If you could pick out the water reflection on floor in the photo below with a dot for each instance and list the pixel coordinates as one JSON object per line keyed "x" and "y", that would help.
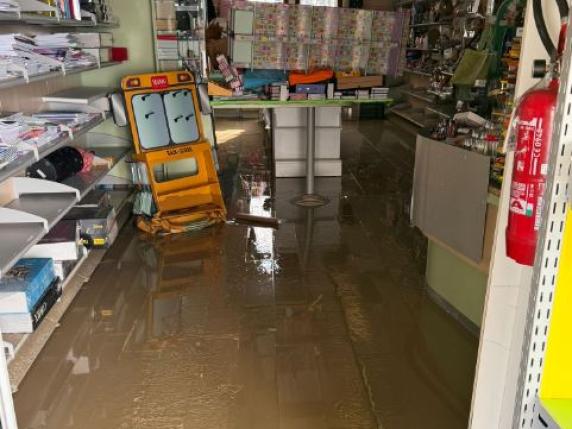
{"x": 323, "y": 323}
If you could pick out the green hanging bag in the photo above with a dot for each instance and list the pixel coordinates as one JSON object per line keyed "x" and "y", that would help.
{"x": 475, "y": 65}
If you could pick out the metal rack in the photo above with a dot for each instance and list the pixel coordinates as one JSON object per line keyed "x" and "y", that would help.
{"x": 198, "y": 62}
{"x": 520, "y": 300}
{"x": 547, "y": 266}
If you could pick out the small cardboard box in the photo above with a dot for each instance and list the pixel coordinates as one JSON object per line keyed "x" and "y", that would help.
{"x": 378, "y": 5}
{"x": 359, "y": 82}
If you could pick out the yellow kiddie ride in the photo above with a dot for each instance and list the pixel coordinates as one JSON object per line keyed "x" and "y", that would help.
{"x": 175, "y": 162}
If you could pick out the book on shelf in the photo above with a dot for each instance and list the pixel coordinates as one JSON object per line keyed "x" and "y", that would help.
{"x": 70, "y": 9}
{"x": 27, "y": 322}
{"x": 60, "y": 244}
{"x": 24, "y": 284}
{"x": 75, "y": 9}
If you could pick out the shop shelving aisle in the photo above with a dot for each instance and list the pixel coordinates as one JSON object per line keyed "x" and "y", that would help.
{"x": 30, "y": 207}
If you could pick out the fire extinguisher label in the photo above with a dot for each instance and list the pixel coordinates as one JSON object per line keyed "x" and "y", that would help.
{"x": 521, "y": 199}
{"x": 530, "y": 135}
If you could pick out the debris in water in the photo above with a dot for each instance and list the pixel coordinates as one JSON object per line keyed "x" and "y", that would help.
{"x": 248, "y": 219}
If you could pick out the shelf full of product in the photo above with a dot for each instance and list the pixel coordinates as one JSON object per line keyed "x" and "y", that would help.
{"x": 467, "y": 103}
{"x": 180, "y": 35}
{"x": 34, "y": 57}
{"x": 55, "y": 214}
{"x": 62, "y": 184}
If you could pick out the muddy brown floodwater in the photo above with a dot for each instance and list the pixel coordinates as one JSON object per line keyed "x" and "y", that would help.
{"x": 323, "y": 323}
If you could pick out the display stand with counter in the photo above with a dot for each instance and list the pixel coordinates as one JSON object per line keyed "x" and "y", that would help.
{"x": 453, "y": 206}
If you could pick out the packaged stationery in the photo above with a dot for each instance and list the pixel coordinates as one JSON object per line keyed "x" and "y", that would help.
{"x": 325, "y": 23}
{"x": 300, "y": 23}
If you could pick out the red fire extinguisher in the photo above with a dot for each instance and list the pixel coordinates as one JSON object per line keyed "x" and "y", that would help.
{"x": 534, "y": 119}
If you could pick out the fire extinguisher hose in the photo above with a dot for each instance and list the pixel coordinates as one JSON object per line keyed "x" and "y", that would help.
{"x": 541, "y": 24}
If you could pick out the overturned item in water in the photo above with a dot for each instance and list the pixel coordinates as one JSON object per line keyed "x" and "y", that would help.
{"x": 177, "y": 223}
{"x": 172, "y": 152}
{"x": 261, "y": 221}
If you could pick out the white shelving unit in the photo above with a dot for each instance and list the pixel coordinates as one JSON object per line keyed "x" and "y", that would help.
{"x": 39, "y": 202}
{"x": 37, "y": 205}
{"x": 27, "y": 347}
{"x": 194, "y": 39}
{"x": 30, "y": 207}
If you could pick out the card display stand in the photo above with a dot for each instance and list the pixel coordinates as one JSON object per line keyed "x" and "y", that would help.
{"x": 276, "y": 36}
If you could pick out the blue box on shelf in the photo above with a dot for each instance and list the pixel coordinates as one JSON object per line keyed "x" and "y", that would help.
{"x": 25, "y": 283}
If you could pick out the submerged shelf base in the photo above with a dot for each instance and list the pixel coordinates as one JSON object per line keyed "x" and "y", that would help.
{"x": 27, "y": 347}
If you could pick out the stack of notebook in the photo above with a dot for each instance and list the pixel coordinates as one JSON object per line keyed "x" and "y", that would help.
{"x": 14, "y": 50}
{"x": 27, "y": 292}
{"x": 63, "y": 48}
{"x": 18, "y": 57}
{"x": 56, "y": 40}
